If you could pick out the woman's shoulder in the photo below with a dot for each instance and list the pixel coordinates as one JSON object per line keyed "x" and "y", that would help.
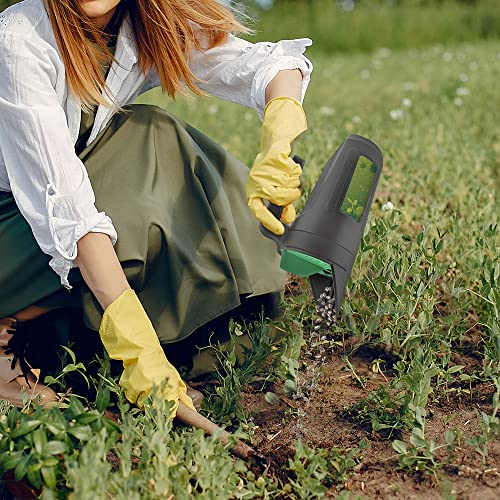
{"x": 26, "y": 20}
{"x": 26, "y": 26}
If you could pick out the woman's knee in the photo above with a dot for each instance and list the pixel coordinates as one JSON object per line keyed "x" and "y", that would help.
{"x": 31, "y": 312}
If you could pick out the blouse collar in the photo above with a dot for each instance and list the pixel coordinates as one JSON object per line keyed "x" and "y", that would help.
{"x": 126, "y": 38}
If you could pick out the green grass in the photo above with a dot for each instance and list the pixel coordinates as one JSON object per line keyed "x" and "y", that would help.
{"x": 375, "y": 24}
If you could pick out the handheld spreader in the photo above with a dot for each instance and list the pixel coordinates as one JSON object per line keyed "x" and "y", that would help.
{"x": 323, "y": 241}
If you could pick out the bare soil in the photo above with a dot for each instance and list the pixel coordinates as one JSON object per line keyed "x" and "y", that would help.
{"x": 376, "y": 475}
{"x": 319, "y": 424}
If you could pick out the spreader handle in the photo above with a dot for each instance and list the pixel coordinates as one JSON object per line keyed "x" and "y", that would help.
{"x": 276, "y": 210}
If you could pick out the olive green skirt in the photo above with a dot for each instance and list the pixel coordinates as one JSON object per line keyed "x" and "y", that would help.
{"x": 187, "y": 241}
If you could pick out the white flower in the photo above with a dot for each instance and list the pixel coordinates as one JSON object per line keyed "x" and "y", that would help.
{"x": 473, "y": 66}
{"x": 213, "y": 109}
{"x": 396, "y": 114}
{"x": 248, "y": 116}
{"x": 327, "y": 110}
{"x": 447, "y": 56}
{"x": 347, "y": 5}
{"x": 365, "y": 74}
{"x": 356, "y": 119}
{"x": 463, "y": 91}
{"x": 387, "y": 207}
{"x": 406, "y": 102}
{"x": 463, "y": 77}
{"x": 458, "y": 101}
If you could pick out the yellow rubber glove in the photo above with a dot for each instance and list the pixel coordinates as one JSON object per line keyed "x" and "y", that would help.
{"x": 274, "y": 176}
{"x": 128, "y": 335}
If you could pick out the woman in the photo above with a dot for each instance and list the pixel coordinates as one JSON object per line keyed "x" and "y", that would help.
{"x": 142, "y": 220}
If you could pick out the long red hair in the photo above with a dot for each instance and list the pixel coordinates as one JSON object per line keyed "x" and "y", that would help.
{"x": 163, "y": 34}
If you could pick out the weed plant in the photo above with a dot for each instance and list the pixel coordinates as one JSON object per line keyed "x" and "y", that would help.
{"x": 312, "y": 469}
{"x": 268, "y": 359}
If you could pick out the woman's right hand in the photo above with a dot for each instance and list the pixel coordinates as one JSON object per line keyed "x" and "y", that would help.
{"x": 128, "y": 335}
{"x": 275, "y": 176}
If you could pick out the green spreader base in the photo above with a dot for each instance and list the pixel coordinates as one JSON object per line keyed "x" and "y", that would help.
{"x": 303, "y": 265}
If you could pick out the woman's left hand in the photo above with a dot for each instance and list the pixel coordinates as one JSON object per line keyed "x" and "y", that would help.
{"x": 274, "y": 176}
{"x": 128, "y": 335}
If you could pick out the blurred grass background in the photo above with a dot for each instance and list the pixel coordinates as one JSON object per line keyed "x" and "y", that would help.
{"x": 363, "y": 25}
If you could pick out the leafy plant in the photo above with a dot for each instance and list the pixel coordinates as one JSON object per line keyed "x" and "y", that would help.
{"x": 224, "y": 403}
{"x": 420, "y": 455}
{"x": 60, "y": 380}
{"x": 388, "y": 414}
{"x": 414, "y": 378}
{"x": 35, "y": 446}
{"x": 313, "y": 469}
{"x": 394, "y": 282}
{"x": 262, "y": 363}
{"x": 380, "y": 411}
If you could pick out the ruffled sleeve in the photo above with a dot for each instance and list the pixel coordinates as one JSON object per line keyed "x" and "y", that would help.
{"x": 68, "y": 222}
{"x": 239, "y": 71}
{"x": 49, "y": 182}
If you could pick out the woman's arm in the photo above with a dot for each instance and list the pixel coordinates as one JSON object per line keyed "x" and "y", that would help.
{"x": 287, "y": 83}
{"x": 126, "y": 330}
{"x": 100, "y": 268}
{"x": 97, "y": 259}
{"x": 49, "y": 182}
{"x": 241, "y": 72}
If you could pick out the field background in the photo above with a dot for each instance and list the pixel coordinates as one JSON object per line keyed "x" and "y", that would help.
{"x": 400, "y": 399}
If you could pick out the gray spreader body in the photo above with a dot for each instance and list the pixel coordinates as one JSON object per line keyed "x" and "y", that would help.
{"x": 322, "y": 230}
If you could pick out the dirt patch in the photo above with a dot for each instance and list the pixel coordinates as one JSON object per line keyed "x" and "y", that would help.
{"x": 319, "y": 424}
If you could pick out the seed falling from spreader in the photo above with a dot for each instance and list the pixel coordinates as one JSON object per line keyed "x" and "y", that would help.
{"x": 325, "y": 308}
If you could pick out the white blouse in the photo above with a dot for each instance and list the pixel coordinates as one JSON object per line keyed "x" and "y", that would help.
{"x": 40, "y": 118}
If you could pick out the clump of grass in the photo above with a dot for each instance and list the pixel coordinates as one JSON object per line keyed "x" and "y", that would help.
{"x": 268, "y": 359}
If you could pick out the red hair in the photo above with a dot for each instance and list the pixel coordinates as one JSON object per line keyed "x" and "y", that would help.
{"x": 163, "y": 34}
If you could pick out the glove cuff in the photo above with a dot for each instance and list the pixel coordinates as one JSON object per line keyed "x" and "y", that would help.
{"x": 126, "y": 330}
{"x": 273, "y": 102}
{"x": 284, "y": 118}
